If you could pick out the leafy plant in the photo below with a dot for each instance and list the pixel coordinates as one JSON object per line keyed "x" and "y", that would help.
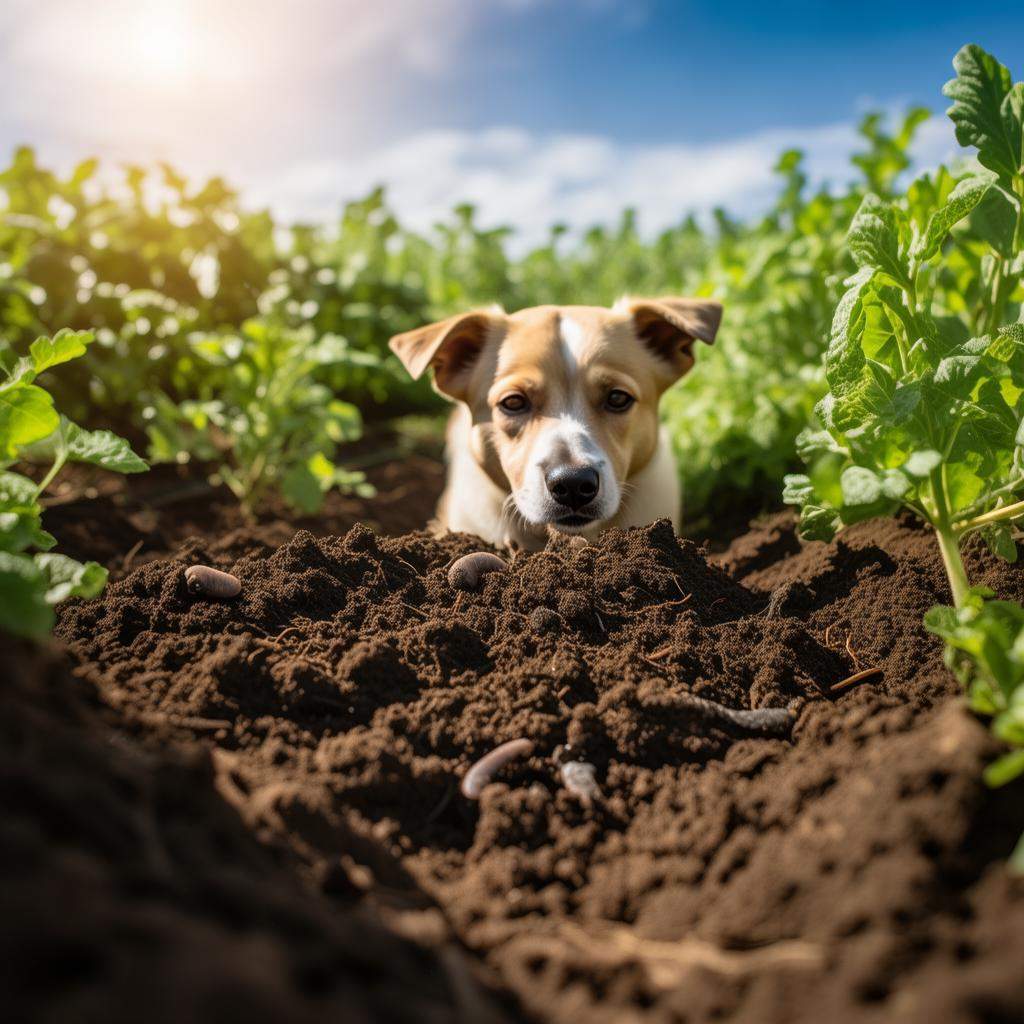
{"x": 33, "y": 578}
{"x": 925, "y": 368}
{"x": 263, "y": 419}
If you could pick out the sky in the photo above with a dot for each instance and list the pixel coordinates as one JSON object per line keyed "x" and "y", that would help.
{"x": 538, "y": 111}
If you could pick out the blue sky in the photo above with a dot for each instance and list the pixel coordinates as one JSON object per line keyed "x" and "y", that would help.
{"x": 705, "y": 70}
{"x": 537, "y": 110}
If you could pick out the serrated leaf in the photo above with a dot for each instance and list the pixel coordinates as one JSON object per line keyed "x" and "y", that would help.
{"x": 962, "y": 200}
{"x": 101, "y": 448}
{"x": 984, "y": 114}
{"x": 62, "y": 347}
{"x": 874, "y": 239}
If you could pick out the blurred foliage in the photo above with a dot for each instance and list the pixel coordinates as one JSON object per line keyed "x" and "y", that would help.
{"x": 165, "y": 272}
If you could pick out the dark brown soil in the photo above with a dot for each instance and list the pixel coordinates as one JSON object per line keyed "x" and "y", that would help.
{"x": 305, "y": 742}
{"x": 123, "y": 522}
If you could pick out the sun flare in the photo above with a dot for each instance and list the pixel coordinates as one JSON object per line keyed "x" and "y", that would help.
{"x": 158, "y": 43}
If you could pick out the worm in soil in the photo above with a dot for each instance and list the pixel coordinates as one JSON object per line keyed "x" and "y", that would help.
{"x": 579, "y": 778}
{"x": 483, "y": 771}
{"x": 201, "y": 579}
{"x": 466, "y": 572}
{"x": 769, "y": 721}
{"x": 766, "y": 721}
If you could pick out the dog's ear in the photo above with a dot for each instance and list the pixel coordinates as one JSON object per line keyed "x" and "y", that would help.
{"x": 669, "y": 327}
{"x": 450, "y": 347}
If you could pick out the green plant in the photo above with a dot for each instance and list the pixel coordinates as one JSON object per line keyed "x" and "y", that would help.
{"x": 33, "y": 578}
{"x": 925, "y": 368}
{"x": 262, "y": 419}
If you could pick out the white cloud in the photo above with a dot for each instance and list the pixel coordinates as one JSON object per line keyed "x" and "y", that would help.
{"x": 530, "y": 182}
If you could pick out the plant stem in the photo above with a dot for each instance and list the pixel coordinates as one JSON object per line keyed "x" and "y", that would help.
{"x": 58, "y": 465}
{"x": 949, "y": 541}
{"x": 995, "y": 516}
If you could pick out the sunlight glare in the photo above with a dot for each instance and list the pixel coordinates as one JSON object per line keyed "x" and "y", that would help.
{"x": 159, "y": 43}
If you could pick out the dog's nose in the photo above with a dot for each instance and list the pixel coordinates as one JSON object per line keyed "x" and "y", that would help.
{"x": 573, "y": 486}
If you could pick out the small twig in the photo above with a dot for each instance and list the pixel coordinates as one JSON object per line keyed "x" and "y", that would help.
{"x": 130, "y": 556}
{"x": 413, "y": 609}
{"x": 600, "y": 621}
{"x": 458, "y": 603}
{"x": 828, "y": 631}
{"x": 410, "y": 567}
{"x": 184, "y": 721}
{"x": 660, "y": 652}
{"x": 850, "y": 652}
{"x": 857, "y": 677}
{"x": 439, "y": 809}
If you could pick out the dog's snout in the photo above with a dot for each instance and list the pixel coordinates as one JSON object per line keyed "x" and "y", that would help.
{"x": 573, "y": 486}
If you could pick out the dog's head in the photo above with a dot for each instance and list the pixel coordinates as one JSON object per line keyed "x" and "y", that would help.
{"x": 564, "y": 399}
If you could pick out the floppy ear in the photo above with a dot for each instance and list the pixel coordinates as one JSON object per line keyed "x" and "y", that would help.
{"x": 451, "y": 347}
{"x": 669, "y": 327}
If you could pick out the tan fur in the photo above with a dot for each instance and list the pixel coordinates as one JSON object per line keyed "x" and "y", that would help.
{"x": 564, "y": 360}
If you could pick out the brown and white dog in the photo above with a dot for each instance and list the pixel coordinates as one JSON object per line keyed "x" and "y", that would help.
{"x": 557, "y": 420}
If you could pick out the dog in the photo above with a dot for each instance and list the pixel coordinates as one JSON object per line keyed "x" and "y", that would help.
{"x": 556, "y": 422}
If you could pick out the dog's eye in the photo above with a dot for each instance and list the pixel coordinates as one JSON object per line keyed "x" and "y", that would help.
{"x": 514, "y": 404}
{"x": 618, "y": 400}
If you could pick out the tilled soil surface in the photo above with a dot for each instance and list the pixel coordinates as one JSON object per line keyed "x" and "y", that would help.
{"x": 309, "y": 738}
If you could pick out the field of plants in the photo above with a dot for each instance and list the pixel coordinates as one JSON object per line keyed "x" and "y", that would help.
{"x": 770, "y": 772}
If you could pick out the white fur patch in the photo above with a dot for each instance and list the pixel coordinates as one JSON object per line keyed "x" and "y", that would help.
{"x": 573, "y": 340}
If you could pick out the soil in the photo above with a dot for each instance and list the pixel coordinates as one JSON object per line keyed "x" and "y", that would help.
{"x": 252, "y": 807}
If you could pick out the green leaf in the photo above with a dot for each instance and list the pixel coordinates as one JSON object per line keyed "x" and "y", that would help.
{"x": 302, "y": 488}
{"x": 994, "y": 219}
{"x": 860, "y": 486}
{"x": 66, "y": 577}
{"x": 984, "y": 112}
{"x": 63, "y": 346}
{"x": 999, "y": 539}
{"x": 1015, "y": 865}
{"x": 101, "y": 448}
{"x": 874, "y": 239}
{"x": 26, "y": 415}
{"x": 1005, "y": 769}
{"x": 23, "y": 607}
{"x": 962, "y": 200}
{"x": 920, "y": 464}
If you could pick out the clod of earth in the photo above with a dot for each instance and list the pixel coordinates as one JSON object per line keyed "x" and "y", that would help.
{"x": 202, "y": 579}
{"x": 466, "y": 573}
{"x": 483, "y": 771}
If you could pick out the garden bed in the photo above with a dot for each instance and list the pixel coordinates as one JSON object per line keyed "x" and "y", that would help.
{"x": 254, "y": 804}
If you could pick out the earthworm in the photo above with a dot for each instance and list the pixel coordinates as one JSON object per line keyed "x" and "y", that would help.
{"x": 578, "y": 778}
{"x": 483, "y": 771}
{"x": 466, "y": 572}
{"x": 201, "y": 579}
{"x": 767, "y": 721}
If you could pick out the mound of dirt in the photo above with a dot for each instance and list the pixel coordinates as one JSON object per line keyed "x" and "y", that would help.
{"x": 130, "y": 890}
{"x": 850, "y": 868}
